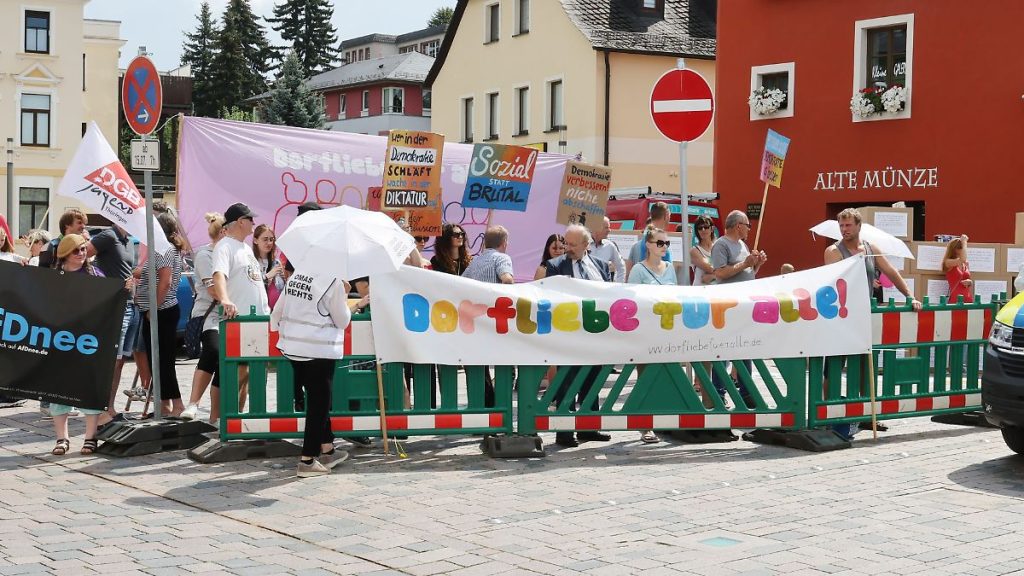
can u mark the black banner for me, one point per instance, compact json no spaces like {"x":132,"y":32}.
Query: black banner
{"x":59,"y":335}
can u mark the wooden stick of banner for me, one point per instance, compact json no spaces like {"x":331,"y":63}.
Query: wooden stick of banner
{"x":380,"y":403}
{"x":760,"y":219}
{"x":871,"y":389}
{"x":490,"y":212}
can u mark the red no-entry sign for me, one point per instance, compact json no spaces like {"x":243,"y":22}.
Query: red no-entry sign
{"x":142,"y":96}
{"x":682,"y":105}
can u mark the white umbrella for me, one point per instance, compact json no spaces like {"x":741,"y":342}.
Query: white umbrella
{"x":882,"y":242}
{"x":346,"y":242}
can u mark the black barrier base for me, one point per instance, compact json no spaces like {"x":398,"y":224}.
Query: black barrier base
{"x":513,"y":446}
{"x":703,"y":436}
{"x":976,"y":418}
{"x":214,"y":451}
{"x":149,"y":437}
{"x":809,"y":440}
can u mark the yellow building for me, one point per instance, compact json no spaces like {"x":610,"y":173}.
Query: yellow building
{"x":575,"y":76}
{"x":58,"y":71}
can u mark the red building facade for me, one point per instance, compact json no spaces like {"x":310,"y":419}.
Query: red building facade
{"x":950,"y":145}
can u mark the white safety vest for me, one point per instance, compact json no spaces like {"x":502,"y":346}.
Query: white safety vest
{"x":305,"y":326}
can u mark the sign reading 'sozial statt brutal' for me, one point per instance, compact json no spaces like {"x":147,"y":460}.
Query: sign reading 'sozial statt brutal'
{"x":500,"y":177}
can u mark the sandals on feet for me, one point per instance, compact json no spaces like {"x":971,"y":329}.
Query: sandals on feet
{"x":61,"y":448}
{"x":649,"y":437}
{"x":89,"y":446}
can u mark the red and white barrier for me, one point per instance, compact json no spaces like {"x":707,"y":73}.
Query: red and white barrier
{"x":396,"y":423}
{"x":256,"y":340}
{"x":857,"y":409}
{"x":931,"y":326}
{"x":663,"y":421}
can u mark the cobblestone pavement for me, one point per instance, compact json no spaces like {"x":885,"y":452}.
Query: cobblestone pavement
{"x":923,"y":499}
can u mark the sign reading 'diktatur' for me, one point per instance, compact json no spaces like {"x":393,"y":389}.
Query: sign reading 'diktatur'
{"x":412,"y":169}
{"x":584,"y":194}
{"x":499,"y":177}
{"x":420,"y":222}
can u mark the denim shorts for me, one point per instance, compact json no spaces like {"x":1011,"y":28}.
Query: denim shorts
{"x":130,"y":325}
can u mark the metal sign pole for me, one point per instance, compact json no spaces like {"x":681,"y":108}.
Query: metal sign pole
{"x":154,"y":352}
{"x":684,"y":199}
{"x":12,"y":205}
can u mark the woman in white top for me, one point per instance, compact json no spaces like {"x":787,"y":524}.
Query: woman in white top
{"x":700,"y":255}
{"x":37,"y":241}
{"x":7,"y":250}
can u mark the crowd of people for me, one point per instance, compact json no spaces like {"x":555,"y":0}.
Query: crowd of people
{"x":235,"y":276}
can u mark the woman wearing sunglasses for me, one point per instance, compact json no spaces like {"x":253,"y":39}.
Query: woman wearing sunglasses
{"x":653,"y":270}
{"x":73,"y":258}
{"x":700,"y":255}
{"x":450,"y":254}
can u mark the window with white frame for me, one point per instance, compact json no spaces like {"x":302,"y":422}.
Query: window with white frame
{"x":556,"y":118}
{"x":427,"y":95}
{"x":522,"y":111}
{"x":407,"y":49}
{"x":431,"y":48}
{"x":772,"y":91}
{"x":493,"y":112}
{"x":394,"y":99}
{"x":883,"y":67}
{"x":37,"y":32}
{"x":35,"y":120}
{"x":492,"y":23}
{"x":366,"y":103}
{"x":33,"y":204}
{"x":522,"y":17}
{"x":467,"y":119}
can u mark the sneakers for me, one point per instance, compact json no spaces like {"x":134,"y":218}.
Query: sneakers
{"x":333,"y":459}
{"x":360,"y":441}
{"x":136,"y":394}
{"x":314,"y":468}
{"x":189,"y":413}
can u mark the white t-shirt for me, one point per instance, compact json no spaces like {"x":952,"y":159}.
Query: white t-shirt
{"x":235,"y":260}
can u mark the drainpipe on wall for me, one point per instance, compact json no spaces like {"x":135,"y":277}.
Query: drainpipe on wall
{"x":607,"y":104}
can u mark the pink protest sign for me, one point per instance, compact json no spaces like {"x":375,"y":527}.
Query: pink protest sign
{"x":274,"y":169}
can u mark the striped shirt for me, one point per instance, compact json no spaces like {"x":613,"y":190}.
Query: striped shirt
{"x":488,"y":266}
{"x":170,"y":259}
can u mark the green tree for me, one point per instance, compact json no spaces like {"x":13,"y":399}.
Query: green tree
{"x":305,"y":26}
{"x":291,"y":102}
{"x":236,"y":113}
{"x":441,"y":17}
{"x":198,"y":52}
{"x":242,"y":57}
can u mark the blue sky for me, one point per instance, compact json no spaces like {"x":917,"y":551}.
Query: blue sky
{"x":160,"y":25}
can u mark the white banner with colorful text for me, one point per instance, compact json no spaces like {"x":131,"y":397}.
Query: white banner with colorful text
{"x":425,"y":317}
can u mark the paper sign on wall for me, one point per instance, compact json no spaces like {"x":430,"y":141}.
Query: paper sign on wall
{"x":499,"y":177}
{"x":775,"y":148}
{"x":584,"y":195}
{"x":412,"y":170}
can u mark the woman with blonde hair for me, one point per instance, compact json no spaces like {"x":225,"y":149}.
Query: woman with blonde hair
{"x":37,"y":241}
{"x":206,"y":307}
{"x":958,"y":273}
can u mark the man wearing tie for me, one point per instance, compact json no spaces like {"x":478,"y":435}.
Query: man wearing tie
{"x":578,"y":263}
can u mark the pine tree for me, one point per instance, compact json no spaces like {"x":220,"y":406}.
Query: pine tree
{"x":242,"y":57}
{"x":305,"y":26}
{"x":441,"y":17}
{"x":291,"y":102}
{"x":198,"y":52}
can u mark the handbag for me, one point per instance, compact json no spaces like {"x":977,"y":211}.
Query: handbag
{"x":194,"y":333}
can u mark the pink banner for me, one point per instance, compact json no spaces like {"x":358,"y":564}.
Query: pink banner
{"x":274,"y":169}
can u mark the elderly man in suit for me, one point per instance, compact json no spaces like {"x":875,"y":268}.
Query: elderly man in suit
{"x":578,"y":263}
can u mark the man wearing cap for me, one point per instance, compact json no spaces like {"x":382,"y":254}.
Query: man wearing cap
{"x":237,"y":279}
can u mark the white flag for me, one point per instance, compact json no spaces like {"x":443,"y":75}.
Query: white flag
{"x":97,"y":179}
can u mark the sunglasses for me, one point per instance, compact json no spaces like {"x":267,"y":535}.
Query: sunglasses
{"x":420,"y":239}
{"x":83,"y":249}
{"x":458,"y":234}
{"x":660,"y":243}
{"x":703,"y":227}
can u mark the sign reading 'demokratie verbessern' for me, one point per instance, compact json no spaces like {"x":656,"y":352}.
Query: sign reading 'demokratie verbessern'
{"x":412,"y":170}
{"x":584,"y":194}
{"x":499,"y":177}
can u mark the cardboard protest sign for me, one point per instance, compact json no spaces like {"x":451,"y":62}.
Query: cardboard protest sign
{"x":584,"y":194}
{"x":499,"y":177}
{"x":775,"y":147}
{"x":421,"y":222}
{"x":412,"y":169}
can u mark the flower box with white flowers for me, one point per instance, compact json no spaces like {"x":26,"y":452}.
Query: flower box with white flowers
{"x":766,"y":101}
{"x":878,"y":100}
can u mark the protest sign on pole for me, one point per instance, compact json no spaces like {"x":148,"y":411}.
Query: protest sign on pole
{"x":58,"y":335}
{"x":420,"y":222}
{"x":98,"y":180}
{"x":500,"y":177}
{"x":412,"y":169}
{"x":775,"y":148}
{"x":584,"y":195}
{"x":565,"y":321}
